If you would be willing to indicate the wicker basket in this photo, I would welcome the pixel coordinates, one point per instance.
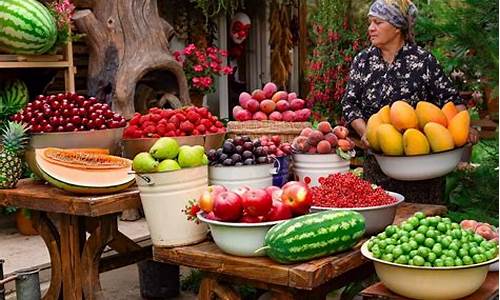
(255, 129)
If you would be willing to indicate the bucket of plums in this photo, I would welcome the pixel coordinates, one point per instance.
(320, 152)
(430, 258)
(241, 161)
(69, 120)
(239, 219)
(187, 125)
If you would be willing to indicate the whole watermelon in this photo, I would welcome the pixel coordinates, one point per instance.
(26, 27)
(13, 97)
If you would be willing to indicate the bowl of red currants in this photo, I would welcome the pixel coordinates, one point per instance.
(70, 121)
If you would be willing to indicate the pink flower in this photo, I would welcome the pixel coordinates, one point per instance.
(189, 49)
(227, 70)
(223, 53)
(198, 68)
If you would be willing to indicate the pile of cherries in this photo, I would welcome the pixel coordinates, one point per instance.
(68, 112)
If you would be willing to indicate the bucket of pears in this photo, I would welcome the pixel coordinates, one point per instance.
(427, 140)
(169, 176)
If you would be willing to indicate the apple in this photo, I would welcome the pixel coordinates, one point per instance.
(486, 231)
(275, 116)
(256, 202)
(269, 89)
(250, 219)
(211, 216)
(244, 98)
(228, 206)
(280, 95)
(216, 189)
(270, 190)
(236, 109)
(241, 190)
(267, 106)
(340, 131)
(243, 115)
(297, 196)
(252, 105)
(289, 116)
(297, 104)
(292, 96)
(259, 116)
(206, 201)
(282, 105)
(279, 211)
(258, 95)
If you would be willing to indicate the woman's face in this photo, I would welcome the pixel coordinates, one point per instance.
(381, 32)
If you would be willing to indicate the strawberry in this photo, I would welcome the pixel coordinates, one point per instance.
(174, 120)
(161, 129)
(170, 133)
(135, 119)
(193, 117)
(178, 132)
(155, 118)
(147, 124)
(145, 118)
(154, 110)
(206, 122)
(181, 116)
(167, 113)
(187, 127)
(214, 119)
(150, 129)
(219, 124)
(202, 111)
(129, 131)
(137, 134)
(156, 136)
(195, 132)
(163, 122)
(214, 129)
(171, 127)
(201, 128)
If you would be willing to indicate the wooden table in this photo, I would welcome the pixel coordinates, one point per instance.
(488, 290)
(76, 230)
(308, 280)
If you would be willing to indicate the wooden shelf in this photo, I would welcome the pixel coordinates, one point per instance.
(34, 64)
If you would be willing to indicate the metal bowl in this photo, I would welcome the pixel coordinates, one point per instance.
(419, 167)
(240, 239)
(105, 138)
(429, 282)
(376, 217)
(131, 147)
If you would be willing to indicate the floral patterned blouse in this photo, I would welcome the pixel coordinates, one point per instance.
(414, 75)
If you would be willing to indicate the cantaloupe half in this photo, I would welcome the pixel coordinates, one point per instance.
(84, 173)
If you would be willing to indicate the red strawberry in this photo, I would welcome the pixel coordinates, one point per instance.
(174, 120)
(222, 130)
(150, 129)
(201, 128)
(219, 124)
(148, 124)
(187, 127)
(135, 119)
(202, 111)
(163, 122)
(167, 113)
(193, 117)
(155, 118)
(171, 127)
(214, 129)
(129, 131)
(170, 133)
(161, 129)
(214, 119)
(154, 110)
(206, 122)
(137, 134)
(156, 135)
(181, 116)
(145, 118)
(178, 132)
(195, 132)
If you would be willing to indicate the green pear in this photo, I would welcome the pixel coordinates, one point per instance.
(165, 148)
(199, 148)
(144, 163)
(168, 165)
(204, 160)
(190, 157)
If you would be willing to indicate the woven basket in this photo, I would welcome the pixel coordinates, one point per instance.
(255, 129)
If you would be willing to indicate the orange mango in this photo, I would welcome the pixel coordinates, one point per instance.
(428, 112)
(459, 128)
(449, 110)
(403, 116)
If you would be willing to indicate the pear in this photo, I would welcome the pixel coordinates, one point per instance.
(144, 163)
(168, 165)
(190, 157)
(165, 148)
(204, 160)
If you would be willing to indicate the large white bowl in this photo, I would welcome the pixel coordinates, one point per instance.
(310, 167)
(240, 239)
(429, 282)
(419, 167)
(376, 217)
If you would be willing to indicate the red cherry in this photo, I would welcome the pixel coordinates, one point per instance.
(85, 121)
(98, 122)
(66, 112)
(40, 97)
(105, 107)
(103, 126)
(122, 123)
(60, 128)
(86, 104)
(92, 100)
(54, 121)
(37, 104)
(117, 117)
(82, 112)
(48, 128)
(91, 124)
(76, 120)
(93, 116)
(61, 96)
(75, 111)
(81, 128)
(69, 127)
(36, 128)
(108, 114)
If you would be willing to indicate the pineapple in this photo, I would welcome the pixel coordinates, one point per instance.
(14, 140)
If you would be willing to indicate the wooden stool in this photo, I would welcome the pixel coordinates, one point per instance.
(488, 290)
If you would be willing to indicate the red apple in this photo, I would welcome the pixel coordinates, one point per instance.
(206, 201)
(211, 216)
(258, 95)
(242, 115)
(282, 105)
(256, 202)
(270, 190)
(241, 190)
(486, 231)
(236, 109)
(297, 196)
(228, 207)
(269, 89)
(279, 211)
(250, 219)
(252, 105)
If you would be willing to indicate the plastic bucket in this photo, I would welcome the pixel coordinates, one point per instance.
(281, 176)
(164, 196)
(254, 176)
(310, 167)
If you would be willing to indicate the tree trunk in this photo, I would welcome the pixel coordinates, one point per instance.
(127, 40)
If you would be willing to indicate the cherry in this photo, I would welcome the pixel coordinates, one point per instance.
(48, 128)
(40, 97)
(98, 122)
(117, 117)
(103, 126)
(86, 104)
(44, 123)
(93, 116)
(69, 127)
(55, 104)
(66, 112)
(37, 104)
(61, 96)
(76, 120)
(82, 112)
(105, 107)
(47, 112)
(37, 128)
(122, 123)
(91, 124)
(60, 128)
(54, 121)
(108, 114)
(85, 121)
(75, 111)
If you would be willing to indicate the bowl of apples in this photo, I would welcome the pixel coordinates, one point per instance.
(240, 219)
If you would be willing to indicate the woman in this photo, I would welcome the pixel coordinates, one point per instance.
(394, 68)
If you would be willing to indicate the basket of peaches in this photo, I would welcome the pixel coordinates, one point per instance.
(240, 219)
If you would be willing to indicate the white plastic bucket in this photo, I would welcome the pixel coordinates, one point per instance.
(164, 196)
(254, 176)
(313, 166)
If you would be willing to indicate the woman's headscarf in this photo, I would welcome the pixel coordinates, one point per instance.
(399, 13)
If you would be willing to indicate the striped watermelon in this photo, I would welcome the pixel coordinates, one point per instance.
(13, 97)
(26, 27)
(314, 235)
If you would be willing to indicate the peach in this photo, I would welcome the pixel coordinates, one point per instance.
(297, 104)
(315, 137)
(252, 105)
(292, 96)
(486, 232)
(280, 95)
(303, 114)
(275, 116)
(258, 95)
(306, 131)
(267, 106)
(469, 224)
(340, 131)
(298, 143)
(244, 98)
(289, 116)
(282, 105)
(324, 147)
(332, 139)
(269, 89)
(312, 150)
(344, 145)
(324, 127)
(259, 116)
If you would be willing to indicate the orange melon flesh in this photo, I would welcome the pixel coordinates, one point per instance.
(85, 181)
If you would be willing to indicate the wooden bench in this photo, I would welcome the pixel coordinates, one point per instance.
(309, 280)
(488, 290)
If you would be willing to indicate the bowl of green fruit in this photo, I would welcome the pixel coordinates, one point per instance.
(430, 258)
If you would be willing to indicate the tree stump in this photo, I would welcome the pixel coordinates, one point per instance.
(127, 40)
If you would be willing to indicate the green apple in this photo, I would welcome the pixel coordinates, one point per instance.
(165, 148)
(168, 165)
(144, 163)
(190, 157)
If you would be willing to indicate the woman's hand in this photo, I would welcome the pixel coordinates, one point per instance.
(364, 142)
(473, 137)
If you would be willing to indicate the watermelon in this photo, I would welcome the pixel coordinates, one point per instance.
(314, 235)
(26, 27)
(13, 97)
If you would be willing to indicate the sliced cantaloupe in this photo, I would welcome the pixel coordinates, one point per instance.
(84, 173)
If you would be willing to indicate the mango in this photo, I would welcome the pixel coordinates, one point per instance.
(371, 131)
(403, 116)
(415, 142)
(439, 137)
(428, 112)
(459, 128)
(385, 114)
(390, 140)
(449, 110)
